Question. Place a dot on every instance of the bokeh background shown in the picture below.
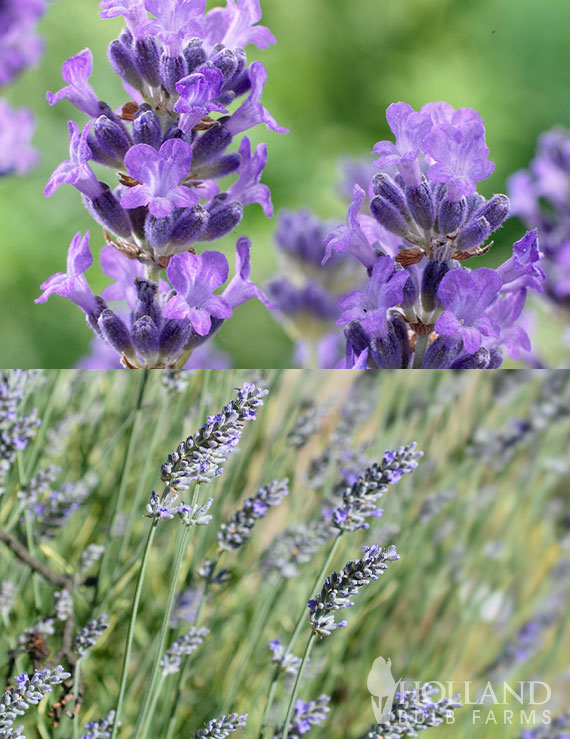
(337, 66)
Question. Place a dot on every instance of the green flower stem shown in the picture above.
(293, 698)
(183, 672)
(76, 679)
(131, 629)
(295, 635)
(421, 346)
(145, 712)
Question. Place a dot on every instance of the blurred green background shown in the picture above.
(337, 66)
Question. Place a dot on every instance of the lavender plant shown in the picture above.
(421, 307)
(184, 69)
(557, 729)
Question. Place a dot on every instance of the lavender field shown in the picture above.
(284, 553)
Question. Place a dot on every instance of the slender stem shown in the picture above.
(421, 346)
(144, 712)
(183, 672)
(295, 635)
(293, 698)
(131, 629)
(125, 468)
(152, 272)
(76, 678)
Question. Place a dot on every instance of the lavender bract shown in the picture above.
(422, 308)
(181, 66)
(335, 593)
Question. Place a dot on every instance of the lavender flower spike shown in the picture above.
(413, 711)
(102, 728)
(182, 647)
(306, 715)
(88, 635)
(359, 499)
(220, 728)
(235, 532)
(201, 457)
(337, 589)
(29, 690)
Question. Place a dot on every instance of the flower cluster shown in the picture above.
(88, 635)
(236, 530)
(200, 458)
(182, 647)
(337, 589)
(421, 307)
(305, 715)
(16, 429)
(359, 500)
(220, 728)
(29, 690)
(539, 196)
(413, 711)
(559, 728)
(102, 728)
(183, 69)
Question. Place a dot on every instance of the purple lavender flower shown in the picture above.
(184, 646)
(88, 635)
(539, 197)
(190, 69)
(283, 661)
(422, 308)
(236, 530)
(305, 716)
(29, 690)
(16, 128)
(20, 46)
(335, 593)
(160, 172)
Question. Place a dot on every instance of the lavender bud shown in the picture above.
(211, 143)
(421, 205)
(90, 556)
(145, 339)
(433, 274)
(285, 662)
(220, 728)
(235, 532)
(16, 430)
(173, 337)
(220, 167)
(392, 351)
(222, 220)
(495, 211)
(111, 139)
(123, 63)
(473, 234)
(29, 690)
(147, 304)
(189, 226)
(102, 728)
(184, 646)
(195, 54)
(147, 56)
(110, 214)
(479, 360)
(146, 127)
(88, 635)
(411, 288)
(451, 215)
(157, 231)
(495, 358)
(384, 186)
(172, 70)
(227, 63)
(115, 332)
(307, 424)
(388, 217)
(335, 593)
